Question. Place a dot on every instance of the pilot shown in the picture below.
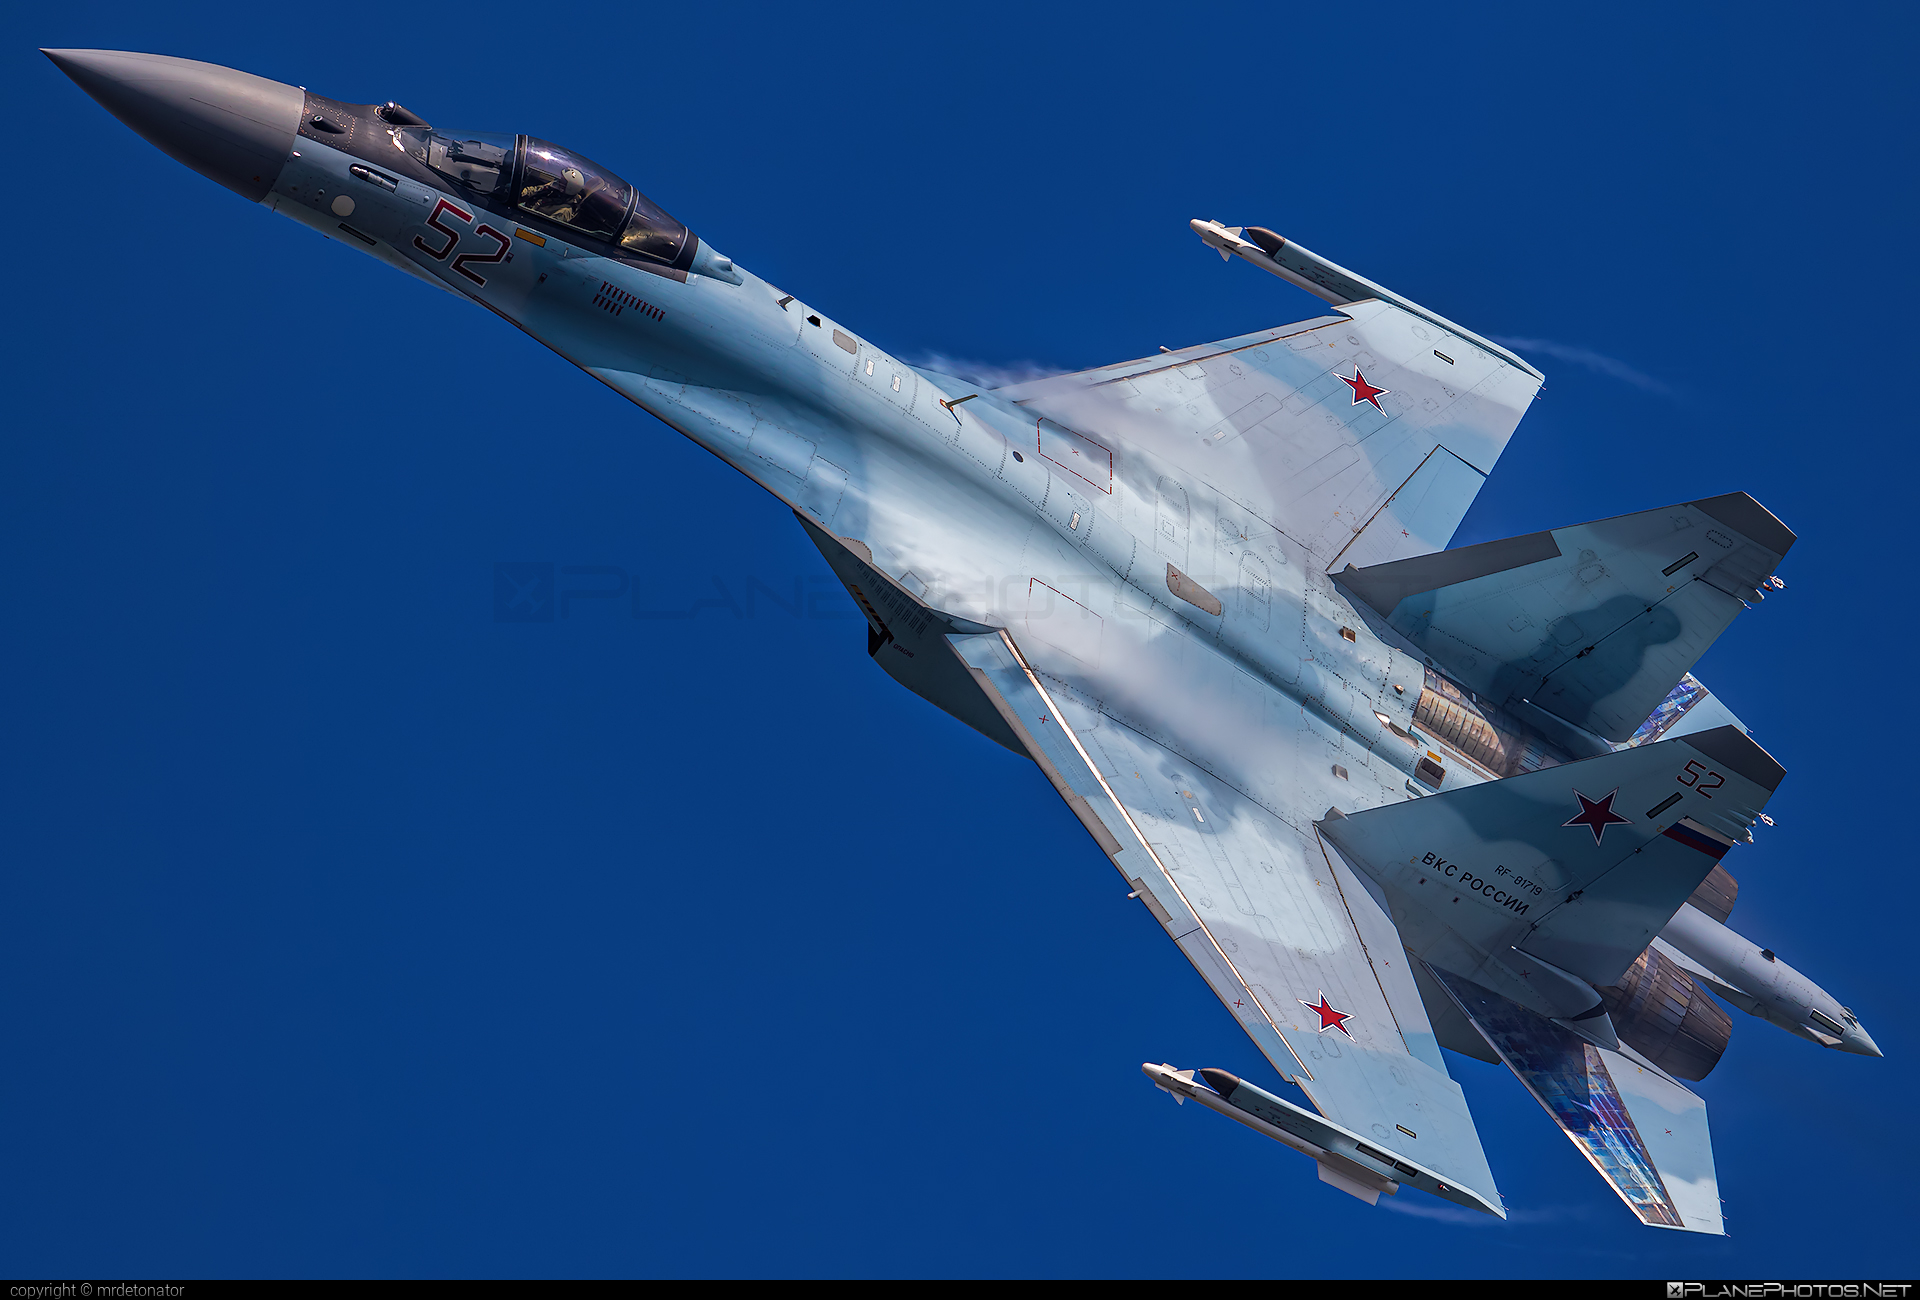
(561, 197)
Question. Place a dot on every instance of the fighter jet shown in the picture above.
(1388, 797)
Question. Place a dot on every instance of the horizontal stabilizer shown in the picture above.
(1593, 622)
(1645, 1133)
(1579, 865)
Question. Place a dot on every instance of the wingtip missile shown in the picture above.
(1346, 1161)
(1224, 238)
(1169, 1080)
(1306, 269)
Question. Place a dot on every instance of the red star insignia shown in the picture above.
(1329, 1018)
(1364, 391)
(1597, 814)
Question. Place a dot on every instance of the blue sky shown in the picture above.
(352, 931)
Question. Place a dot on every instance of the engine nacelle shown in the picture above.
(1662, 1013)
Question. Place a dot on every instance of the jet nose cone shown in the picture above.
(1861, 1043)
(231, 127)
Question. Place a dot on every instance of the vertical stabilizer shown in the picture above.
(1644, 1133)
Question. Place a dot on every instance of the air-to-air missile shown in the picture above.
(1347, 1160)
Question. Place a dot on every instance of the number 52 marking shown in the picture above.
(1692, 777)
(453, 239)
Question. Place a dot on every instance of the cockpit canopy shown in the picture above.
(554, 183)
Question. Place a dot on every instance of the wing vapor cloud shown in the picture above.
(1598, 362)
(1443, 1212)
(984, 373)
(1426, 1209)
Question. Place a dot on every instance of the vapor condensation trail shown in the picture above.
(1598, 362)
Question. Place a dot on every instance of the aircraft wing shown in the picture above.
(1364, 435)
(1300, 951)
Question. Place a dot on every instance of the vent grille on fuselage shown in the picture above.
(615, 301)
